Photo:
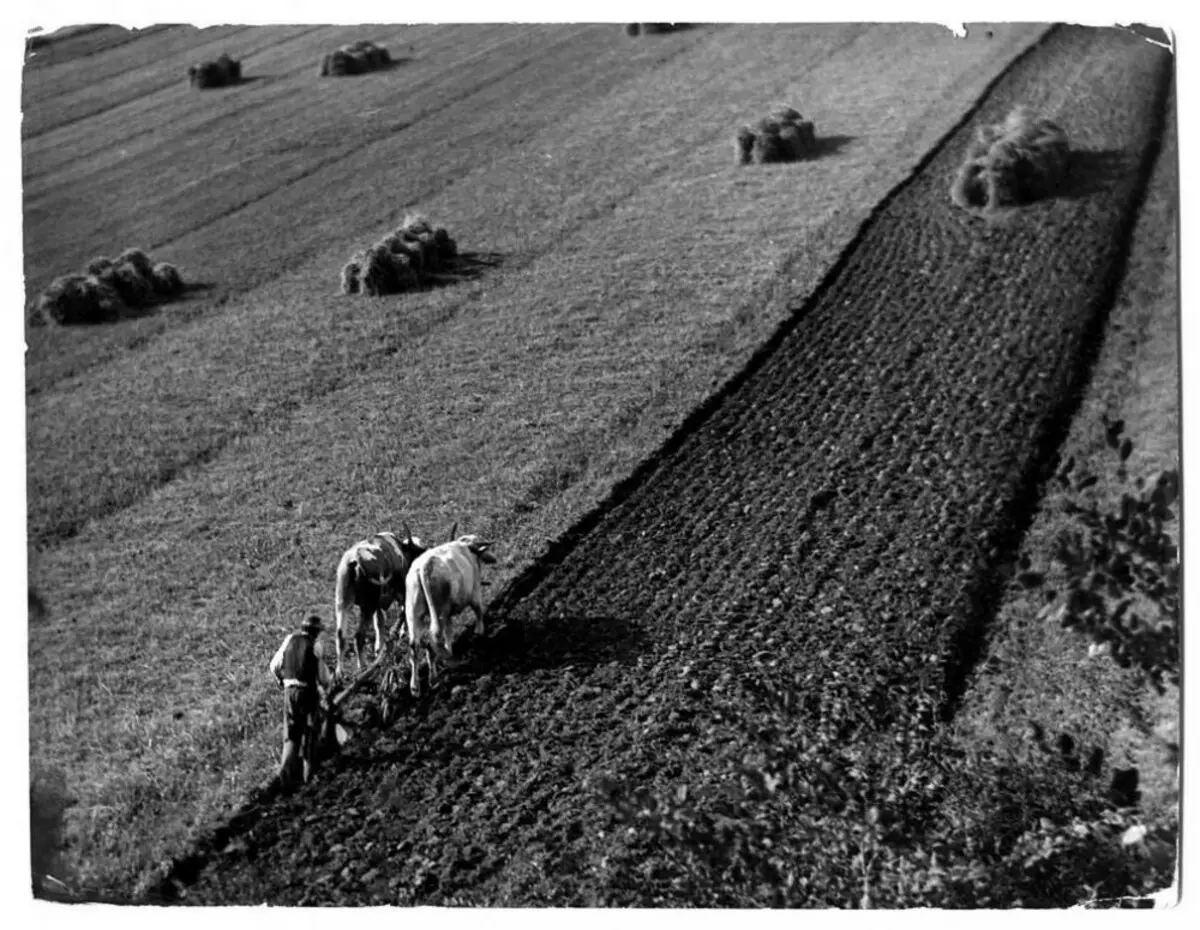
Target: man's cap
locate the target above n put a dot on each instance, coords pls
(312, 623)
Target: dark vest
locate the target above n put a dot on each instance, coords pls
(299, 660)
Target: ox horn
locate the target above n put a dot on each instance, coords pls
(407, 531)
(454, 530)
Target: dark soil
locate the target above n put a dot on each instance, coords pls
(835, 517)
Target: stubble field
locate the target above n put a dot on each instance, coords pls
(833, 514)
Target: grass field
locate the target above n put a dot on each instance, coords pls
(195, 474)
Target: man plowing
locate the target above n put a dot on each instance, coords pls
(300, 669)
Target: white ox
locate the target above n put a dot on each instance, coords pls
(371, 575)
(443, 582)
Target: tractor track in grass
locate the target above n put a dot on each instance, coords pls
(836, 513)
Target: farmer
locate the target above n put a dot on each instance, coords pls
(299, 668)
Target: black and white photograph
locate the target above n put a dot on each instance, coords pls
(517, 458)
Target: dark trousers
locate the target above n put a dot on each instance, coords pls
(300, 710)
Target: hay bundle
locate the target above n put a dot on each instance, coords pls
(220, 73)
(783, 135)
(166, 280)
(136, 289)
(1021, 160)
(386, 272)
(744, 145)
(350, 275)
(414, 225)
(447, 248)
(356, 58)
(411, 249)
(139, 260)
(77, 298)
(375, 56)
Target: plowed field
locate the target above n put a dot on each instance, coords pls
(835, 515)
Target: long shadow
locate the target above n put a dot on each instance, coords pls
(1094, 172)
(380, 69)
(831, 145)
(466, 266)
(652, 29)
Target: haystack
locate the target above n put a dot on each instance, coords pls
(220, 73)
(356, 58)
(402, 260)
(1023, 159)
(107, 289)
(77, 298)
(649, 29)
(782, 136)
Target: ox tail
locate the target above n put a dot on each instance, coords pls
(343, 600)
(435, 623)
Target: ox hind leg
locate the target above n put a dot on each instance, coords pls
(414, 674)
(365, 619)
(480, 625)
(431, 662)
(380, 624)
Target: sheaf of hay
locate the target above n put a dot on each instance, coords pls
(743, 145)
(447, 247)
(139, 259)
(415, 224)
(410, 249)
(1023, 159)
(784, 114)
(350, 275)
(77, 298)
(220, 73)
(135, 288)
(166, 280)
(386, 272)
(767, 148)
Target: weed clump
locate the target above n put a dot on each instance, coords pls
(356, 58)
(106, 290)
(783, 135)
(220, 73)
(401, 261)
(1023, 159)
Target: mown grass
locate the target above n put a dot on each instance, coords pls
(264, 171)
(294, 423)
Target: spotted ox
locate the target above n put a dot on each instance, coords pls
(371, 575)
(443, 582)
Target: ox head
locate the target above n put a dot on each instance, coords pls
(411, 545)
(480, 547)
